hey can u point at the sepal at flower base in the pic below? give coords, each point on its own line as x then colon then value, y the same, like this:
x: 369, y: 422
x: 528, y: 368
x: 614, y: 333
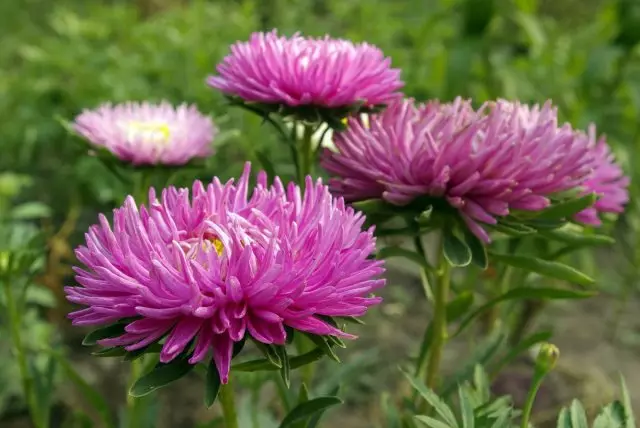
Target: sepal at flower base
x: 307, y: 114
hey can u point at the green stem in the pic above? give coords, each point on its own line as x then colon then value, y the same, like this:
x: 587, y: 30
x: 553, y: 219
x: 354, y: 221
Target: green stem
x: 227, y: 402
x: 493, y: 315
x: 440, y: 332
x: 304, y: 345
x: 531, y: 398
x: 133, y: 403
x: 305, y: 154
x: 421, y: 362
x: 141, y: 186
x: 21, y: 356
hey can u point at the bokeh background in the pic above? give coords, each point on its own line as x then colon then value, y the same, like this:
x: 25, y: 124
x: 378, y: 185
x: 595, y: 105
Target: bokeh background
x: 58, y: 57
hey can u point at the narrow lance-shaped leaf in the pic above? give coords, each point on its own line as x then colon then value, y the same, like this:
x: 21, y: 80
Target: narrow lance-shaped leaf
x: 213, y: 383
x: 161, y: 375
x: 525, y: 293
x: 568, y: 208
x: 543, y: 267
x: 307, y: 409
x: 110, y: 331
x: 434, y: 401
x: 389, y: 252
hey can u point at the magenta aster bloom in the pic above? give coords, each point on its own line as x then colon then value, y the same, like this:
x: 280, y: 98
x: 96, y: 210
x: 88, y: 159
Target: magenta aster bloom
x: 221, y: 264
x: 305, y: 71
x: 485, y: 163
x: 607, y: 181
x: 147, y: 134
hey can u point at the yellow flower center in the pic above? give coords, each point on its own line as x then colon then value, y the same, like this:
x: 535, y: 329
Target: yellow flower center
x: 211, y: 241
x: 149, y: 132
x: 217, y: 244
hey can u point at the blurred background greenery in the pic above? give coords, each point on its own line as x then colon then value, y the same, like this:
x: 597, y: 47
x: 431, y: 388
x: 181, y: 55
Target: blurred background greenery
x: 58, y: 57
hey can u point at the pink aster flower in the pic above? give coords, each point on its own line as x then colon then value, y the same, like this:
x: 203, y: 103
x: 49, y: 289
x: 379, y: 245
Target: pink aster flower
x: 485, y: 163
x: 300, y: 71
x: 148, y: 134
x: 223, y: 263
x: 607, y: 181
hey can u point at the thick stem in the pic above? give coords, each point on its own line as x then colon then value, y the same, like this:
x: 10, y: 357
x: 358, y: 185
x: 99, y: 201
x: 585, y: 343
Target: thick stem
x: 305, y: 154
x: 133, y: 403
x: 20, y: 352
x: 440, y: 332
x: 227, y: 401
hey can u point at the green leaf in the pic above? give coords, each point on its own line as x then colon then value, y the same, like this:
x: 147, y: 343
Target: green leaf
x: 110, y: 352
x: 389, y: 410
x: 371, y: 206
x: 389, y: 252
x: 30, y: 211
x: 521, y: 293
x: 322, y: 343
x: 424, y: 218
x: 108, y: 332
x: 264, y: 364
x: 468, y: 420
x: 285, y: 370
x: 478, y: 250
x: 352, y: 320
x: 626, y: 401
x: 431, y: 422
x: 212, y: 384
x: 564, y: 419
x: 309, y: 408
x: 303, y: 394
x: 434, y: 401
x: 521, y: 347
x: 577, y: 239
x: 153, y: 348
x: 567, y: 209
x: 611, y: 416
x: 161, y: 375
x: 482, y: 383
x: 543, y: 267
x: 578, y: 415
x: 512, y: 228
x: 270, y: 352
x: 456, y: 251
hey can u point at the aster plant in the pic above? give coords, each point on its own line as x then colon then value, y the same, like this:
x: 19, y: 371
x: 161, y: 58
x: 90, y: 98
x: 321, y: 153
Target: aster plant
x: 482, y: 181
x: 192, y: 278
x: 314, y: 82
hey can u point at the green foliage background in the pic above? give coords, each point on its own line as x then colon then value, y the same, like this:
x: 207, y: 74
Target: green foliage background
x: 58, y: 57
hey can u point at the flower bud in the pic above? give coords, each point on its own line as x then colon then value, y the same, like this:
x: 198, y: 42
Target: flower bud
x: 547, y: 357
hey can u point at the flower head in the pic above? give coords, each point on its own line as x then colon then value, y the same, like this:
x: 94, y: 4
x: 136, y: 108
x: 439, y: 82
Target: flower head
x: 224, y: 263
x: 304, y: 71
x: 148, y: 134
x: 607, y: 181
x: 484, y: 163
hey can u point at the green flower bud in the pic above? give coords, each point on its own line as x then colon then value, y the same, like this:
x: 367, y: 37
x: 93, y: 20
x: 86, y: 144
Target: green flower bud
x: 547, y: 357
